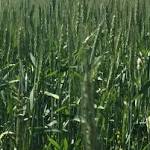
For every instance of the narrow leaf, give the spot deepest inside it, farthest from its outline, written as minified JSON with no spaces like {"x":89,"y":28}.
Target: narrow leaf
{"x":51,"y":95}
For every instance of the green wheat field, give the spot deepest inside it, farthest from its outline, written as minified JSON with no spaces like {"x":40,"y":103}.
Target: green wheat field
{"x":74,"y":74}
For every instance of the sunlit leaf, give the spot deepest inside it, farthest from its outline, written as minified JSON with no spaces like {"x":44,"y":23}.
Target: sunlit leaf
{"x":54,"y":143}
{"x":51,"y":95}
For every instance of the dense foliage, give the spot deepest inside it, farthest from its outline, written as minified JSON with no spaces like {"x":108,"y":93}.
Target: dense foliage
{"x":74,"y":74}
